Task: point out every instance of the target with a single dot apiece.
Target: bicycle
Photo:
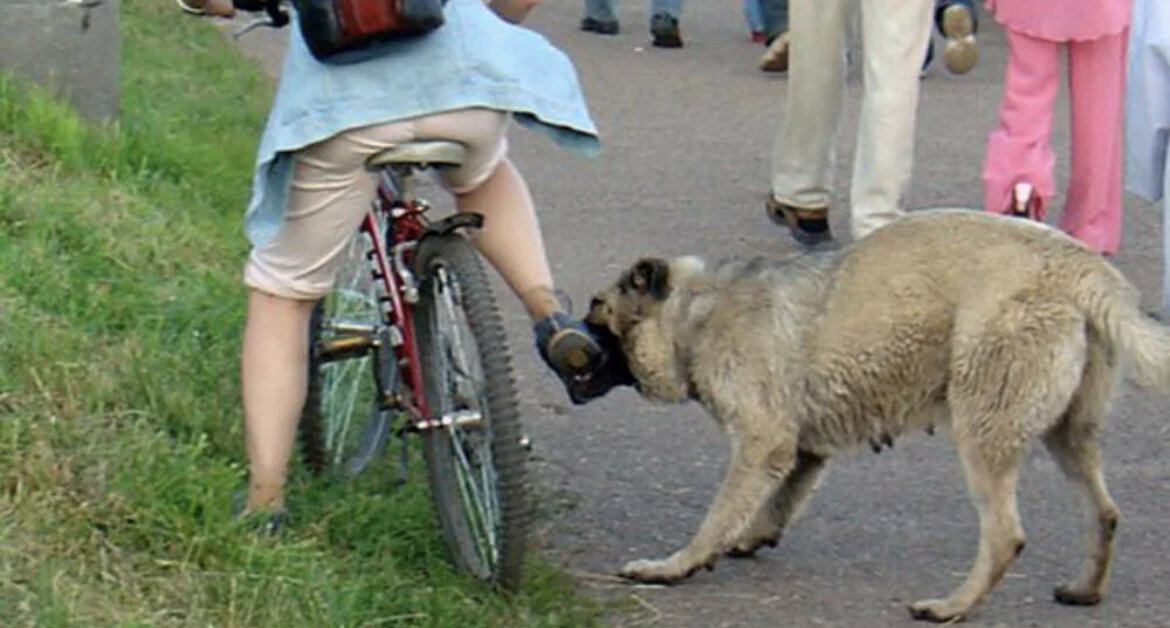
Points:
(411, 328)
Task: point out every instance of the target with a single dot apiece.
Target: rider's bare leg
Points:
(511, 238)
(274, 372)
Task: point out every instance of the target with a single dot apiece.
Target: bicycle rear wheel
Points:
(475, 460)
(344, 424)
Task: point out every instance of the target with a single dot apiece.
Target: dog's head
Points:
(632, 309)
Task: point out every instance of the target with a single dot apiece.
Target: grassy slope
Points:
(120, 434)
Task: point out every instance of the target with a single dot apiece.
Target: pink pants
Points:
(1019, 147)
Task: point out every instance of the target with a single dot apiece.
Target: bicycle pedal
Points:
(344, 348)
(460, 418)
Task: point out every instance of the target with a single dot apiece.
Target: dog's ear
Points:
(650, 276)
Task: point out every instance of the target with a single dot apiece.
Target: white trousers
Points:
(894, 35)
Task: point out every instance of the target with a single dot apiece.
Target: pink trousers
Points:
(1019, 147)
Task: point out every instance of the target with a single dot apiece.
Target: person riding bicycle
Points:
(463, 82)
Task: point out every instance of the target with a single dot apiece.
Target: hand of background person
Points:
(513, 11)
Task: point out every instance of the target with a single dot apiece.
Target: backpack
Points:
(349, 31)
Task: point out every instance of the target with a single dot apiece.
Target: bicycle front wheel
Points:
(475, 459)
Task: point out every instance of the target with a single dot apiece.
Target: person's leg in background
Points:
(753, 15)
(1019, 151)
(600, 17)
(895, 35)
(802, 157)
(1165, 239)
(1092, 210)
(775, 18)
(664, 23)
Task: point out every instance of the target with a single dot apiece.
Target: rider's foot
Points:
(269, 522)
(614, 371)
(567, 346)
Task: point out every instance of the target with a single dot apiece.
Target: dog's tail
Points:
(1112, 304)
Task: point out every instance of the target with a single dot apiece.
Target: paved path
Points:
(687, 136)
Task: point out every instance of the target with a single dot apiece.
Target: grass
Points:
(120, 428)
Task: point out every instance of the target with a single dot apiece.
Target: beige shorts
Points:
(331, 191)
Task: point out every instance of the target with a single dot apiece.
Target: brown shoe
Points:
(958, 26)
(775, 58)
(809, 225)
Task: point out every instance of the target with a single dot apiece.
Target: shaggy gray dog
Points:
(1003, 329)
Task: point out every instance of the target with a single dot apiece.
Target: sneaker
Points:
(271, 525)
(568, 347)
(958, 26)
(775, 58)
(809, 225)
(601, 27)
(664, 28)
(758, 37)
(613, 371)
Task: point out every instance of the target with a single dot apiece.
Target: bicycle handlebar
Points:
(276, 18)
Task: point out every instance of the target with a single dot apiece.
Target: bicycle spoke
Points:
(463, 382)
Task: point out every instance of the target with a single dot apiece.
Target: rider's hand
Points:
(513, 11)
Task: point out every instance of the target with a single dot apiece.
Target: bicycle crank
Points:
(353, 340)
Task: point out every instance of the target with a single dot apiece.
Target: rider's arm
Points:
(513, 11)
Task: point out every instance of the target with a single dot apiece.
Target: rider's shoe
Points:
(613, 371)
(568, 347)
(269, 522)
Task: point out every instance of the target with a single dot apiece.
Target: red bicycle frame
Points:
(405, 227)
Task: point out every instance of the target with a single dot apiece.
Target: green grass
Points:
(120, 427)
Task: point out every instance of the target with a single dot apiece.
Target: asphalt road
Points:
(687, 137)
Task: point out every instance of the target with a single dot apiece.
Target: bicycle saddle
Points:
(436, 153)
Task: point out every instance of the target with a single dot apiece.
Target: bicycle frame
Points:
(405, 227)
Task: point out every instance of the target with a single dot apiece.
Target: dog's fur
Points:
(1002, 328)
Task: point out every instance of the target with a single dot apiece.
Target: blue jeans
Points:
(775, 15)
(752, 13)
(606, 10)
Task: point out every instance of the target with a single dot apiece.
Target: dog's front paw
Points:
(660, 571)
(937, 611)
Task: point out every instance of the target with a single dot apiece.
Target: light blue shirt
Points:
(1147, 99)
(1147, 117)
(475, 59)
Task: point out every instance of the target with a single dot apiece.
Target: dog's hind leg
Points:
(754, 474)
(1013, 378)
(1075, 444)
(769, 523)
(992, 481)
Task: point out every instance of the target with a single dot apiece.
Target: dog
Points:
(1003, 329)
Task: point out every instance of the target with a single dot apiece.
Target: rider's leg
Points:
(510, 238)
(274, 369)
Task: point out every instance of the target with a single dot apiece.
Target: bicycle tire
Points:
(449, 262)
(341, 425)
